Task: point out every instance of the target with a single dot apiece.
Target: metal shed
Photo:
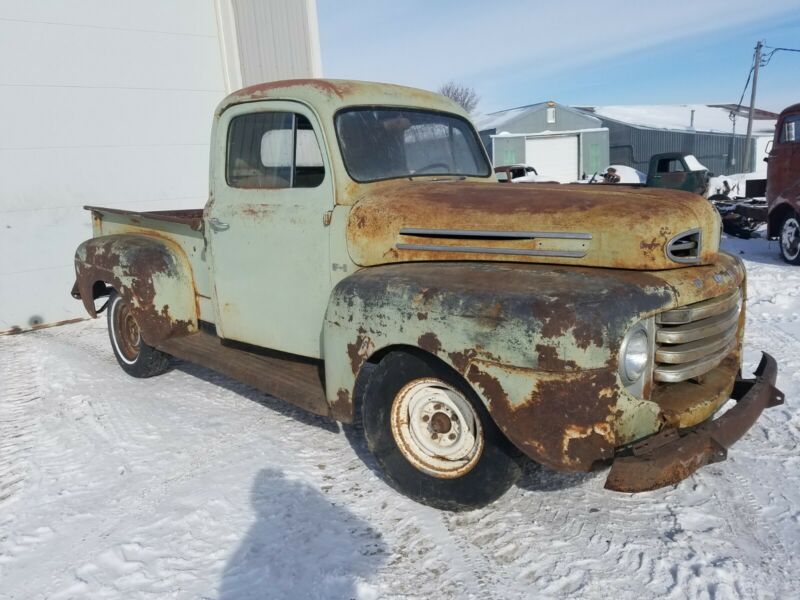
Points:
(705, 130)
(559, 141)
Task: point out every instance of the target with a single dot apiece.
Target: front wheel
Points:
(790, 239)
(132, 353)
(432, 436)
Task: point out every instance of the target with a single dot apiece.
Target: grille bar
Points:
(676, 373)
(684, 353)
(700, 310)
(694, 339)
(697, 330)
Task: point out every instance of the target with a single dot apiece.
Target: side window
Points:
(273, 150)
(790, 132)
(669, 165)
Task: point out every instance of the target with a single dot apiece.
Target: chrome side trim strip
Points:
(470, 233)
(484, 250)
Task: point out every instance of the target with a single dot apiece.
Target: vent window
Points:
(685, 248)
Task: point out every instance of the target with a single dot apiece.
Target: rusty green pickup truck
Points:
(357, 258)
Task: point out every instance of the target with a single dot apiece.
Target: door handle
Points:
(218, 225)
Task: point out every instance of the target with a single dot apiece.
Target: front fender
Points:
(152, 274)
(538, 344)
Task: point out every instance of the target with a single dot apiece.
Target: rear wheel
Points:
(790, 239)
(132, 353)
(432, 436)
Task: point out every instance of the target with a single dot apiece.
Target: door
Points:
(554, 157)
(266, 227)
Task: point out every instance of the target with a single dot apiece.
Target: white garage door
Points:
(555, 157)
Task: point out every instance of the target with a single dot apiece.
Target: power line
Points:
(772, 51)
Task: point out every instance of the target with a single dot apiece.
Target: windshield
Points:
(384, 143)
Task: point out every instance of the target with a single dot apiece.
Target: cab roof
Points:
(333, 94)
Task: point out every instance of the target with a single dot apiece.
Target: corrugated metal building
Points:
(560, 142)
(638, 132)
(110, 103)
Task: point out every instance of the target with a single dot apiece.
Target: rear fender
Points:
(152, 274)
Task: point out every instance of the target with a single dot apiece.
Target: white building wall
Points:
(110, 103)
(285, 30)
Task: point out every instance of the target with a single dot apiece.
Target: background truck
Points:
(357, 258)
(783, 185)
(738, 199)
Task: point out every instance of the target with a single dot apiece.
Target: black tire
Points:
(789, 239)
(132, 353)
(496, 468)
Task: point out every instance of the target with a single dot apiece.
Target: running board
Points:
(296, 379)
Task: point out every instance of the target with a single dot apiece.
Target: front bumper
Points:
(674, 454)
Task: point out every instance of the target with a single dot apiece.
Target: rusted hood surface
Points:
(597, 226)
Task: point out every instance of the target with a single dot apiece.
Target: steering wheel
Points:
(432, 166)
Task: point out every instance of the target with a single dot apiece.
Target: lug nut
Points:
(452, 436)
(425, 418)
(454, 417)
(434, 436)
(437, 406)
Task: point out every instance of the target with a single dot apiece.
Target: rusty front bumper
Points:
(672, 455)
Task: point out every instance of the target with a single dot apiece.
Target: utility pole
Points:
(749, 135)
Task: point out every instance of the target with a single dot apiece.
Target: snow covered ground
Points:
(191, 485)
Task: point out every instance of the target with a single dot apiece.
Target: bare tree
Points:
(462, 94)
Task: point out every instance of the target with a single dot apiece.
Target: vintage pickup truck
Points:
(357, 258)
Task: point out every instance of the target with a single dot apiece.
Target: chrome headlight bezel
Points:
(632, 368)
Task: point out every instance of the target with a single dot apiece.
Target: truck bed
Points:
(193, 217)
(183, 227)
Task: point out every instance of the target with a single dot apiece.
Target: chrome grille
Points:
(693, 339)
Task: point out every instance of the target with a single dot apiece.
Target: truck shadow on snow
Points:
(300, 546)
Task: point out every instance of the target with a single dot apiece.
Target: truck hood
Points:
(596, 226)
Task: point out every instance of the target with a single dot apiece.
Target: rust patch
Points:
(360, 350)
(550, 361)
(342, 408)
(334, 89)
(492, 390)
(587, 333)
(461, 360)
(429, 342)
(258, 211)
(136, 258)
(564, 423)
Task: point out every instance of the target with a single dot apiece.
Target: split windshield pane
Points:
(386, 143)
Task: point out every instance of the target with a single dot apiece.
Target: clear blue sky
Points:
(575, 52)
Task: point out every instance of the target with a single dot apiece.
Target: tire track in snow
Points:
(19, 396)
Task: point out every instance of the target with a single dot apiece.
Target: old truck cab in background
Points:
(783, 185)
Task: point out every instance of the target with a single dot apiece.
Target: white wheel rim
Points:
(114, 333)
(790, 238)
(436, 428)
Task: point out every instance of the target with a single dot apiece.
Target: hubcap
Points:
(790, 238)
(436, 428)
(126, 334)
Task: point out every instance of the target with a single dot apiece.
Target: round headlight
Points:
(635, 352)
